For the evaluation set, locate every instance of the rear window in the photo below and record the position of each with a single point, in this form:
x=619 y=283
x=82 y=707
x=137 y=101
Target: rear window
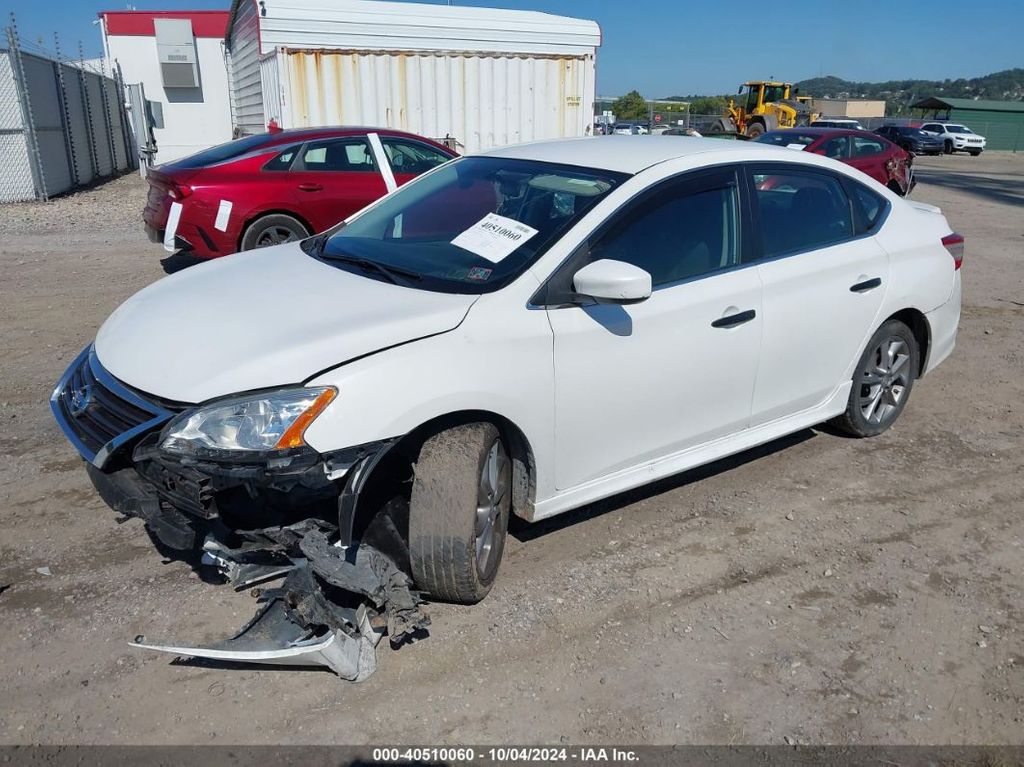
x=787 y=137
x=228 y=151
x=801 y=210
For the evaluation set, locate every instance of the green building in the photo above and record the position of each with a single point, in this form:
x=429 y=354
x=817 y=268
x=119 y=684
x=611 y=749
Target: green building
x=1000 y=122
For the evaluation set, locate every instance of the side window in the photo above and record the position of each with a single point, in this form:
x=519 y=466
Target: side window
x=676 y=233
x=411 y=156
x=870 y=205
x=801 y=210
x=284 y=160
x=837 y=148
x=865 y=147
x=932 y=127
x=348 y=155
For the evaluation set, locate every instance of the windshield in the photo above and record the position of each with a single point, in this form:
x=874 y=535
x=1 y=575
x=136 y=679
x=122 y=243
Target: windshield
x=223 y=152
x=958 y=129
x=471 y=226
x=787 y=137
x=774 y=93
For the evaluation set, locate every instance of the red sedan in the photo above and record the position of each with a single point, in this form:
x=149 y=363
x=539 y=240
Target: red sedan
x=277 y=187
x=879 y=158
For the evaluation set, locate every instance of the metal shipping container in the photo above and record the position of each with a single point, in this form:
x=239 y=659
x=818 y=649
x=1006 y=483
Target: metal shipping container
x=481 y=76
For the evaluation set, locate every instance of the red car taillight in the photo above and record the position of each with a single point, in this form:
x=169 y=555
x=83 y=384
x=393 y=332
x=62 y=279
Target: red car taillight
x=179 y=192
x=954 y=243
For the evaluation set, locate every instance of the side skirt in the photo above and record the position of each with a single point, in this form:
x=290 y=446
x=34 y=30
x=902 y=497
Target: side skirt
x=690 y=458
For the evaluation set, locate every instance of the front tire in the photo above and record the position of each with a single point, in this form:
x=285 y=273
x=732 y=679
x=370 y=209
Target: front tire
x=458 y=512
x=882 y=381
x=274 y=229
x=754 y=130
x=948 y=147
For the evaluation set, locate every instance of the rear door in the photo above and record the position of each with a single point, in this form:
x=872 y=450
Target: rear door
x=870 y=155
x=333 y=178
x=824 y=277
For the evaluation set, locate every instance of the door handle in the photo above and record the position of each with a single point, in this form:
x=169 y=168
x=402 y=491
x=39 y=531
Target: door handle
x=311 y=187
x=733 y=320
x=864 y=287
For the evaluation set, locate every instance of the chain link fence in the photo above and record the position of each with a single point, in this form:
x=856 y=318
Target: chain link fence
x=63 y=124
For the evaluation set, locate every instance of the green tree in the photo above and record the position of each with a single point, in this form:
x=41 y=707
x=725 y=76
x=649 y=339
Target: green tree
x=632 y=106
x=708 y=105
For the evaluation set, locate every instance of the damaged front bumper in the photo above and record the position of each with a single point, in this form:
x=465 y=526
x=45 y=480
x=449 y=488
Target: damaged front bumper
x=332 y=610
x=255 y=518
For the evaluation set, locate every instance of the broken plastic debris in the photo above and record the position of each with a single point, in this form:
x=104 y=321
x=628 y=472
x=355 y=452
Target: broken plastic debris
x=272 y=638
x=43 y=571
x=330 y=610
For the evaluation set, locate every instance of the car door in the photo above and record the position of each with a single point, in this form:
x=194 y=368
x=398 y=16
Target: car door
x=333 y=178
x=408 y=158
x=869 y=156
x=836 y=147
x=638 y=382
x=824 y=279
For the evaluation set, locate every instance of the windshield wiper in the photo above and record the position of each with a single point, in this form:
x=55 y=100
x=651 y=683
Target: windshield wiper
x=394 y=274
x=314 y=246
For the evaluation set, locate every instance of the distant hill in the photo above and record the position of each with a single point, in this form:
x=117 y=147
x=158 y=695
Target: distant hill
x=900 y=94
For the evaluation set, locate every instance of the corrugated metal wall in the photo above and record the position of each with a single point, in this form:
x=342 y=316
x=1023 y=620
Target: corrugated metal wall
x=273 y=98
x=481 y=100
x=401 y=26
x=1002 y=130
x=246 y=81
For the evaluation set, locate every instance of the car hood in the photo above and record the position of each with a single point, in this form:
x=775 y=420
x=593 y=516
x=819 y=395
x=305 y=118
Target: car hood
x=260 y=319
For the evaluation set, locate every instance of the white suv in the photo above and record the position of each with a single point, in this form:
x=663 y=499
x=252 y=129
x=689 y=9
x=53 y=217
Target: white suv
x=519 y=332
x=955 y=137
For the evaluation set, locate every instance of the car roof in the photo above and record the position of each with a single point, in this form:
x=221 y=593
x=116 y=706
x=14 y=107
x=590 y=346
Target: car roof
x=293 y=134
x=822 y=132
x=625 y=154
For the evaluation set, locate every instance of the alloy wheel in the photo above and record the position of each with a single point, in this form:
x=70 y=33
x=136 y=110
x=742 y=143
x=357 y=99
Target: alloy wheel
x=275 y=235
x=494 y=481
x=885 y=380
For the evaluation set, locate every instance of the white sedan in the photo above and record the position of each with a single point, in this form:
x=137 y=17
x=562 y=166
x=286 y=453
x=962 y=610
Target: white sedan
x=522 y=332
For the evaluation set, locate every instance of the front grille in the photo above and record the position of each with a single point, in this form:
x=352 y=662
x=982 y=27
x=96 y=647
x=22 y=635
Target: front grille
x=98 y=413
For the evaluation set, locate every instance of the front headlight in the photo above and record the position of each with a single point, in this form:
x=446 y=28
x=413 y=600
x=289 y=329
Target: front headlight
x=258 y=422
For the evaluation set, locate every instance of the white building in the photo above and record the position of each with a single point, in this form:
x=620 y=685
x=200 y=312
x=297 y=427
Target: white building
x=483 y=76
x=178 y=57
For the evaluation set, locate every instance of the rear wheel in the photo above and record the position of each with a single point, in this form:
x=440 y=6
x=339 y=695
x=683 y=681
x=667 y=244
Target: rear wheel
x=882 y=381
x=458 y=512
x=274 y=229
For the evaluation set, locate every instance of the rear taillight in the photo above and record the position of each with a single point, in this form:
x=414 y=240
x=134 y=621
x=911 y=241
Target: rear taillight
x=179 y=191
x=954 y=243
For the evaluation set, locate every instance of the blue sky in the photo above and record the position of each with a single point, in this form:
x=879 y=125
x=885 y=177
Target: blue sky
x=675 y=47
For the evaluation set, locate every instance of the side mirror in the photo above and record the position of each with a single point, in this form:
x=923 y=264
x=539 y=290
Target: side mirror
x=612 y=282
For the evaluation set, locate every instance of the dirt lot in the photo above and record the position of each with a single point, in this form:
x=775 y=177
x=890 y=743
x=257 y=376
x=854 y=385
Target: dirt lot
x=818 y=590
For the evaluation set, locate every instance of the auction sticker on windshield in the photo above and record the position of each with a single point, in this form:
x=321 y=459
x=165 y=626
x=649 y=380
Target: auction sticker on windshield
x=494 y=237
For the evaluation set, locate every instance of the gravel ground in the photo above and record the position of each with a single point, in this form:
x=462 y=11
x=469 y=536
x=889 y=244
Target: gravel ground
x=816 y=590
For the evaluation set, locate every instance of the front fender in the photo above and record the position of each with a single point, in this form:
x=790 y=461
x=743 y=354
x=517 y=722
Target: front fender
x=506 y=369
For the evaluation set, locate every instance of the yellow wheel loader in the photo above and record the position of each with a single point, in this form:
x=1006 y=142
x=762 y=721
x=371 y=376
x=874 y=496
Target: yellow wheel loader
x=768 y=105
